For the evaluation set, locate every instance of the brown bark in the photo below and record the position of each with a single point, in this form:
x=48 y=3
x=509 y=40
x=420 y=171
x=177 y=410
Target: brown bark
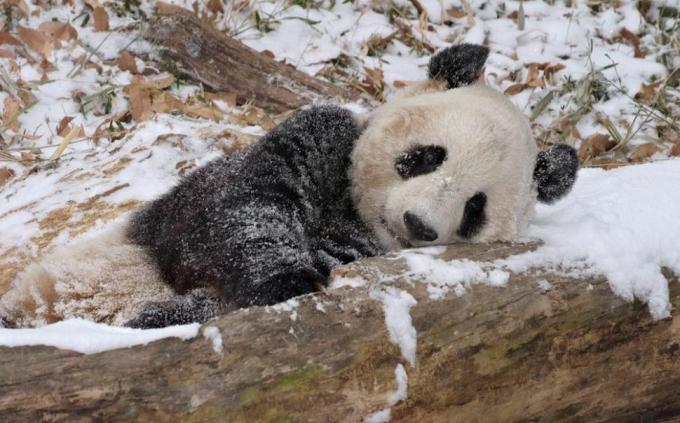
x=517 y=353
x=222 y=63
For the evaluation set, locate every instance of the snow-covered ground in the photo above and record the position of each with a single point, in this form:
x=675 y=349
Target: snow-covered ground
x=76 y=151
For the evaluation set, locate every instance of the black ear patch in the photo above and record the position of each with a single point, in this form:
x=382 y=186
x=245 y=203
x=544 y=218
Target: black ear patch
x=555 y=172
x=458 y=65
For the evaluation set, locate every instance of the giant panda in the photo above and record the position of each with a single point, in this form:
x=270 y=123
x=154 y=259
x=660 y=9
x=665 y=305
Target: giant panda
x=446 y=160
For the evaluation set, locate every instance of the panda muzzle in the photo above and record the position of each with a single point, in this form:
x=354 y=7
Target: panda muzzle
x=418 y=229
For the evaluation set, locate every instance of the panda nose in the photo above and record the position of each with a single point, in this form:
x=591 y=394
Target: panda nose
x=418 y=229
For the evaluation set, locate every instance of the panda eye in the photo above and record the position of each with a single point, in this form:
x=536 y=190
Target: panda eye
x=474 y=216
x=420 y=160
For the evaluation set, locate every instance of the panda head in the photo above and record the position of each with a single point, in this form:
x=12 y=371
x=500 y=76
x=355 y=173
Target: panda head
x=449 y=160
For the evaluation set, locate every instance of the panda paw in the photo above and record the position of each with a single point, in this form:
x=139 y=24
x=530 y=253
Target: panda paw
x=198 y=305
x=458 y=65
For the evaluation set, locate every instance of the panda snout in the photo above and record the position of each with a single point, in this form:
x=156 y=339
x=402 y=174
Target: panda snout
x=418 y=229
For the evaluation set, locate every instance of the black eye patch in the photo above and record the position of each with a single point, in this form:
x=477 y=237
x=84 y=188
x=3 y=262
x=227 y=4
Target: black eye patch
x=474 y=216
x=420 y=160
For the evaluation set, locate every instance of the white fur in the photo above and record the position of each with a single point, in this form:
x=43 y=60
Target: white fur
x=490 y=150
x=104 y=279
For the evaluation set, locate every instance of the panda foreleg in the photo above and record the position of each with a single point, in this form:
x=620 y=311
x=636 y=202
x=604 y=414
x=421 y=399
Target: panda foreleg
x=198 y=305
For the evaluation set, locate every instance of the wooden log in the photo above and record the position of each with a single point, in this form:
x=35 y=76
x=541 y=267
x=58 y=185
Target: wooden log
x=573 y=353
x=222 y=63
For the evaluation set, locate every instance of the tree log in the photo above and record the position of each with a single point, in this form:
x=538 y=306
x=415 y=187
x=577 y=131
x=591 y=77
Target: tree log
x=223 y=63
x=573 y=353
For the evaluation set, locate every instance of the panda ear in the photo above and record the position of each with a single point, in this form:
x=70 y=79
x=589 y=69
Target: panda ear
x=555 y=172
x=458 y=65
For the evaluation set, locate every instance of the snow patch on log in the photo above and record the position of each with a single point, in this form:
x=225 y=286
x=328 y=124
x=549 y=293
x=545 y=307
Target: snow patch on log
x=442 y=276
x=397 y=305
x=213 y=334
x=88 y=337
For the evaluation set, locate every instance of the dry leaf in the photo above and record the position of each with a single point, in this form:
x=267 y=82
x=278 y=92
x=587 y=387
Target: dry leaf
x=7 y=54
x=139 y=99
x=162 y=102
x=101 y=19
x=126 y=62
x=205 y=112
x=229 y=98
x=608 y=164
x=675 y=150
x=5 y=175
x=21 y=5
x=399 y=84
x=159 y=82
x=633 y=40
x=36 y=40
x=215 y=6
x=515 y=89
x=163 y=8
x=10 y=113
x=63 y=128
x=59 y=30
x=601 y=143
x=647 y=92
x=7 y=38
x=642 y=152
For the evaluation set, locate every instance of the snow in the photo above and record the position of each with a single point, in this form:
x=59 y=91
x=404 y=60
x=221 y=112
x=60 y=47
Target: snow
x=442 y=276
x=397 y=304
x=213 y=334
x=88 y=337
x=401 y=378
x=622 y=224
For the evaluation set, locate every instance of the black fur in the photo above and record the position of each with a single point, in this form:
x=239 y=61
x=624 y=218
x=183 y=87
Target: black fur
x=458 y=65
x=555 y=172
x=198 y=305
x=474 y=216
x=262 y=225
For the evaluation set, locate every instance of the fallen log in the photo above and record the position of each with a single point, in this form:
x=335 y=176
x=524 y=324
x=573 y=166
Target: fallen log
x=222 y=63
x=574 y=352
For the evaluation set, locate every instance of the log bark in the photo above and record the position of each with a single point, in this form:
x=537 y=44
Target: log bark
x=519 y=353
x=222 y=63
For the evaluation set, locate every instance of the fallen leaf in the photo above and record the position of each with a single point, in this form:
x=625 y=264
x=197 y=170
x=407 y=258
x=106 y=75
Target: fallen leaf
x=126 y=62
x=633 y=40
x=7 y=54
x=642 y=152
x=21 y=5
x=515 y=89
x=36 y=40
x=647 y=92
x=64 y=127
x=399 y=84
x=59 y=30
x=215 y=6
x=162 y=102
x=7 y=38
x=601 y=143
x=101 y=19
x=5 y=175
x=139 y=99
x=158 y=82
x=229 y=98
x=10 y=113
x=163 y=8
x=675 y=150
